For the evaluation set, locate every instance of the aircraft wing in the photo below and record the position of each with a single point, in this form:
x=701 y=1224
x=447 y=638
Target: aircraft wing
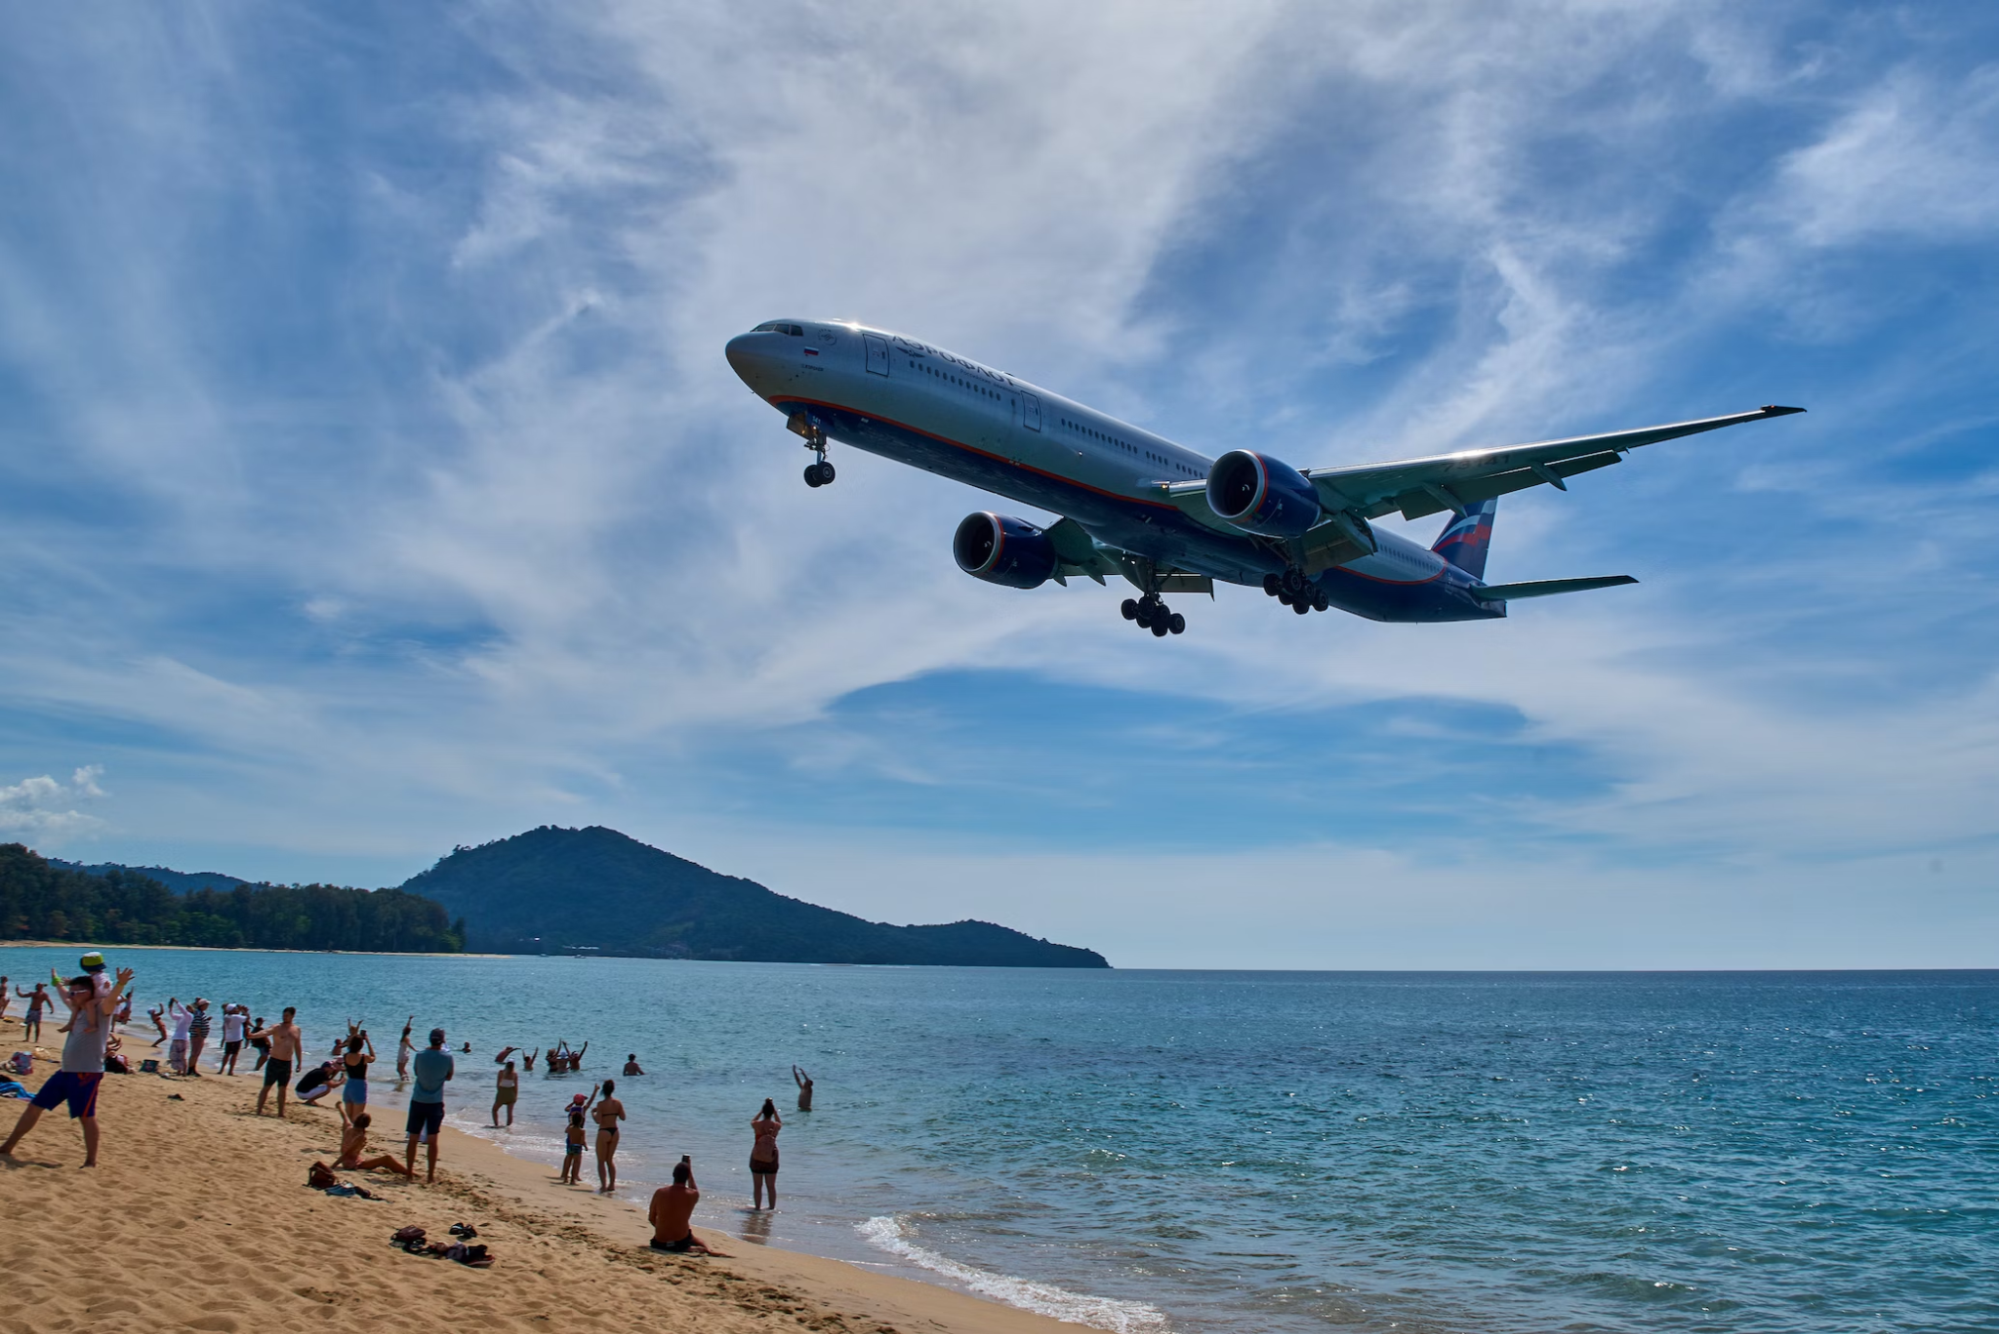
x=1419 y=487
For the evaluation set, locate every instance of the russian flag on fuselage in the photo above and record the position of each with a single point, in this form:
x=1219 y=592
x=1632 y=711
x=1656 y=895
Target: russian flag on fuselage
x=1464 y=540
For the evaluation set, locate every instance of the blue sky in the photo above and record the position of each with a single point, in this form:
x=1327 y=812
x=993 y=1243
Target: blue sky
x=371 y=480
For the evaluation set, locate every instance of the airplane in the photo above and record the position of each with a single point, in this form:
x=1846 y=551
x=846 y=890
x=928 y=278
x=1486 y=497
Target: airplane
x=1167 y=518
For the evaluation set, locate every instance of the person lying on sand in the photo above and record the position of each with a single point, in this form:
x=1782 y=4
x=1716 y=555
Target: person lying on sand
x=354 y=1142
x=672 y=1211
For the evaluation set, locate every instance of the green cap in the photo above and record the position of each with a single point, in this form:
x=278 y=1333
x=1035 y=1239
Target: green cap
x=92 y=963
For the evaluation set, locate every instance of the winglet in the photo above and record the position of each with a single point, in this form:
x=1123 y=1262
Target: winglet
x=1775 y=410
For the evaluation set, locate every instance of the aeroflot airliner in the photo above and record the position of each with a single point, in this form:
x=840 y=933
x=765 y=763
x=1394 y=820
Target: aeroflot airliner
x=1168 y=519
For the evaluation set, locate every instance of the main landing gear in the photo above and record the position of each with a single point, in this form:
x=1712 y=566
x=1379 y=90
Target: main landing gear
x=1296 y=592
x=1153 y=615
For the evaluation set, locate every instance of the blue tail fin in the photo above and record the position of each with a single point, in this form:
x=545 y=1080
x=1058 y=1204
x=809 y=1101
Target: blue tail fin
x=1464 y=540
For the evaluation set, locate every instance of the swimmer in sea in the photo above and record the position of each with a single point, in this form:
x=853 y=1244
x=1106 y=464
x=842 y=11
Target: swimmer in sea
x=632 y=1064
x=804 y=1082
x=609 y=1112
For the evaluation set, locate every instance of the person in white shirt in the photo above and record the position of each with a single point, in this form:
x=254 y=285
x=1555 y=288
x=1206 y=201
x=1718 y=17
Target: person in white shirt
x=233 y=1018
x=183 y=1019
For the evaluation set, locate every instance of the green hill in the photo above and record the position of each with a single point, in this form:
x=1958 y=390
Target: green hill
x=553 y=890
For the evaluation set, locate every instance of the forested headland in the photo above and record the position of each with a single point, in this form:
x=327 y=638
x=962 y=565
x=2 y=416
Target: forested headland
x=42 y=902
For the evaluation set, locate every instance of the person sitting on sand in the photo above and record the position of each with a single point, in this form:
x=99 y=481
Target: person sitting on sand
x=804 y=1083
x=609 y=1112
x=354 y=1141
x=90 y=1013
x=632 y=1066
x=506 y=1088
x=763 y=1155
x=286 y=1045
x=672 y=1212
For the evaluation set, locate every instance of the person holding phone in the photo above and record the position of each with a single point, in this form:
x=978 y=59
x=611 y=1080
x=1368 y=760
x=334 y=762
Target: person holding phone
x=672 y=1213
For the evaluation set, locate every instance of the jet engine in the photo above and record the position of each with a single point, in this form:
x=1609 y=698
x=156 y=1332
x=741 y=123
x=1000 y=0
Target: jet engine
x=1260 y=494
x=1000 y=549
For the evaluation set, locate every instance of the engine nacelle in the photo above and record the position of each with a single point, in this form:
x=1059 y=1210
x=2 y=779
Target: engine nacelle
x=1000 y=549
x=1260 y=494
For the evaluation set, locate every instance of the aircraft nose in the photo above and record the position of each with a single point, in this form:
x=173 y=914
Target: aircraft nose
x=744 y=359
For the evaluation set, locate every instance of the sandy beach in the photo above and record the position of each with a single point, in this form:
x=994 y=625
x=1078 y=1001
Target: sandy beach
x=198 y=1218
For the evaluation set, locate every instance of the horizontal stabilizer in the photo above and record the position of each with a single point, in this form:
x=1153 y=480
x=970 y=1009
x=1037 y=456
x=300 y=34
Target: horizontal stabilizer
x=1541 y=588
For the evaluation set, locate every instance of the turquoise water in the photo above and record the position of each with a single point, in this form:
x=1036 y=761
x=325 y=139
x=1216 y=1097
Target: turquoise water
x=1275 y=1151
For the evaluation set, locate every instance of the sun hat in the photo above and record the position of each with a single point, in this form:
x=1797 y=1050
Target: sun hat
x=91 y=963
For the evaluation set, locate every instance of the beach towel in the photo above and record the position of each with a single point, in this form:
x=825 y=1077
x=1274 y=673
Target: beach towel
x=14 y=1089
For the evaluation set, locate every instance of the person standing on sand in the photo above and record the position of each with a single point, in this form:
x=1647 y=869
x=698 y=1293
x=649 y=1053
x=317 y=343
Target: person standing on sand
x=232 y=1037
x=672 y=1212
x=804 y=1083
x=38 y=1001
x=609 y=1112
x=197 y=1035
x=82 y=1070
x=506 y=1088
x=572 y=1141
x=403 y=1051
x=154 y=1015
x=432 y=1068
x=6 y=997
x=286 y=1045
x=354 y=1094
x=262 y=1045
x=183 y=1018
x=763 y=1155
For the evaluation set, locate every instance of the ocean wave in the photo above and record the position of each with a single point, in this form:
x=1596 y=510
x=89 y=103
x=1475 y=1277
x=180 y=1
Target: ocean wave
x=887 y=1233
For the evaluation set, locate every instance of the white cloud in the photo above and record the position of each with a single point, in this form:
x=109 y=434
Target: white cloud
x=42 y=808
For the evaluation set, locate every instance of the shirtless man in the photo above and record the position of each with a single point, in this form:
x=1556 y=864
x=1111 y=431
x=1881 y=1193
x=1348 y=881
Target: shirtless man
x=38 y=1001
x=286 y=1046
x=804 y=1082
x=632 y=1066
x=673 y=1210
x=609 y=1113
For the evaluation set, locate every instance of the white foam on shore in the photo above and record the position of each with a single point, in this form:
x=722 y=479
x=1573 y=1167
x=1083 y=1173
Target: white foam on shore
x=886 y=1232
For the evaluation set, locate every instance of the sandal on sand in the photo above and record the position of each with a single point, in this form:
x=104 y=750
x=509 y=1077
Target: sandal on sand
x=464 y=1231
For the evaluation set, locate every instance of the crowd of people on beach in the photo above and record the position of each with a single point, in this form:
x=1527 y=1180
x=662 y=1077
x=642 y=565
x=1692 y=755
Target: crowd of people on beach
x=98 y=1003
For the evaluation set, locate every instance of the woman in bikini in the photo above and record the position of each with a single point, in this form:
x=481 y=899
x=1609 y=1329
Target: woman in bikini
x=763 y=1155
x=506 y=1089
x=403 y=1051
x=354 y=1140
x=608 y=1113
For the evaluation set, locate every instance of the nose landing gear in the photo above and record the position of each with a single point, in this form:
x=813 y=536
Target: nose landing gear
x=1153 y=615
x=818 y=474
x=1296 y=592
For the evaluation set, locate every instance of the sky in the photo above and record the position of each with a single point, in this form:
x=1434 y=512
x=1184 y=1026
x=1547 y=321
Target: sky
x=372 y=482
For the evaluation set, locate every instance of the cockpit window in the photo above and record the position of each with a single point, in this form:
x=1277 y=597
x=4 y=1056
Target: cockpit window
x=779 y=327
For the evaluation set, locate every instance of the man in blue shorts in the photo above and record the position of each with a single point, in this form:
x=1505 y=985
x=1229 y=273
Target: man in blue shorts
x=90 y=1018
x=431 y=1068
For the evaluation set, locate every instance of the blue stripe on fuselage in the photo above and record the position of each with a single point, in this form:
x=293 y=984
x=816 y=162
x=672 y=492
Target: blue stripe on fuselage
x=1150 y=528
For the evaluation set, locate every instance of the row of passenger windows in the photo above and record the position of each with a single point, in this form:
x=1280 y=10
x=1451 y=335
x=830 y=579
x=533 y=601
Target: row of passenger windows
x=973 y=385
x=1129 y=448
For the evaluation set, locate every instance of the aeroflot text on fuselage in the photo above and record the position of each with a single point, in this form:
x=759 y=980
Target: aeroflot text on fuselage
x=1166 y=518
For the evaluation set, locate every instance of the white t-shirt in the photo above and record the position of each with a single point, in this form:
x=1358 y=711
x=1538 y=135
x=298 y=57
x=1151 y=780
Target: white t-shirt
x=232 y=1027
x=182 y=1018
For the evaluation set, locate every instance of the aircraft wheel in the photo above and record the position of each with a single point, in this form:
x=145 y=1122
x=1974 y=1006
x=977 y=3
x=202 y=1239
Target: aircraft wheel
x=1320 y=602
x=1284 y=597
x=825 y=474
x=1177 y=624
x=1301 y=605
x=1272 y=585
x=812 y=476
x=1160 y=628
x=1129 y=609
x=1293 y=582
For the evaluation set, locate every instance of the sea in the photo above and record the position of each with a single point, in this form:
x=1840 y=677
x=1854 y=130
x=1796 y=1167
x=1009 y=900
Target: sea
x=1180 y=1150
